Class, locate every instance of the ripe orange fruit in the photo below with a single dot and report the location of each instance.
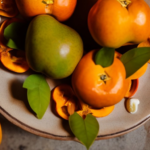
(60, 9)
(113, 23)
(97, 86)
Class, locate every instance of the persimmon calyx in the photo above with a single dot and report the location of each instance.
(124, 3)
(104, 77)
(48, 2)
(48, 6)
(86, 110)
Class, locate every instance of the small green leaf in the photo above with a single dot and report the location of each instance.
(38, 94)
(104, 57)
(15, 34)
(85, 130)
(134, 59)
(11, 44)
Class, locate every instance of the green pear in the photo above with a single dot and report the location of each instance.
(52, 48)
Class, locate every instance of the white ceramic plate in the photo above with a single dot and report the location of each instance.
(13, 105)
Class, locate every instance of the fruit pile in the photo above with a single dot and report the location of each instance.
(50, 37)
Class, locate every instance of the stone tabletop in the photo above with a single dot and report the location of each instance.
(15, 138)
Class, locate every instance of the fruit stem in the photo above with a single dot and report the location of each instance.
(86, 110)
(104, 77)
(47, 2)
(124, 3)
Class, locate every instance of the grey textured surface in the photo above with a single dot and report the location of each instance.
(15, 138)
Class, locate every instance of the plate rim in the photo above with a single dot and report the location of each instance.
(38, 132)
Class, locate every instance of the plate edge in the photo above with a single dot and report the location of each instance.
(32, 130)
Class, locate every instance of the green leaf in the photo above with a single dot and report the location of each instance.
(15, 34)
(104, 57)
(85, 130)
(38, 93)
(134, 59)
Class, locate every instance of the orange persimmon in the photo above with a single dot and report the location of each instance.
(97, 86)
(60, 9)
(8, 8)
(113, 23)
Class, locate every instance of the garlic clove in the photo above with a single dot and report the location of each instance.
(132, 105)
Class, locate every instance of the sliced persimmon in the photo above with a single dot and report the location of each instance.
(14, 60)
(133, 88)
(8, 8)
(66, 101)
(86, 109)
